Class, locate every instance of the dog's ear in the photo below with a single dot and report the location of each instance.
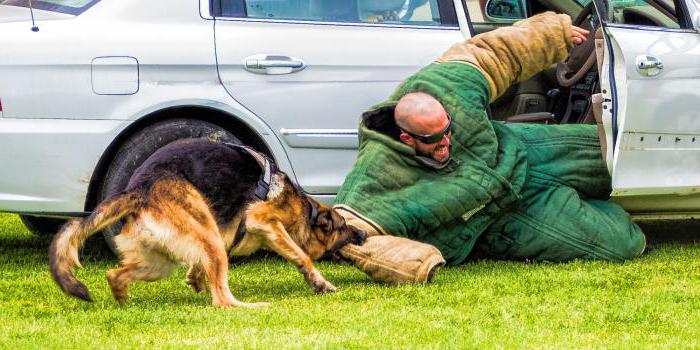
(325, 221)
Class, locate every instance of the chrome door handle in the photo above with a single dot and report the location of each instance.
(649, 66)
(270, 64)
(276, 64)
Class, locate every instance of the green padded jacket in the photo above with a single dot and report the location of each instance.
(450, 207)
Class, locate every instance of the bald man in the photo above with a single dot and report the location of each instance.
(424, 126)
(432, 166)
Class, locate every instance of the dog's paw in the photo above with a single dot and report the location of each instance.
(321, 287)
(197, 285)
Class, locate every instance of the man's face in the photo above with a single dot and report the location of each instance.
(429, 135)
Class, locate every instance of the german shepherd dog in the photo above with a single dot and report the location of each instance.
(193, 202)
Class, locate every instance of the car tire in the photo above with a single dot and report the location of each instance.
(142, 144)
(42, 226)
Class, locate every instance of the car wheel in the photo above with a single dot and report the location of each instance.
(137, 148)
(42, 226)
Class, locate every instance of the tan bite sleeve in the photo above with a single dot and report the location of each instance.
(512, 54)
(390, 259)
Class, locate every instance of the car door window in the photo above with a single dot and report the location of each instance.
(490, 14)
(654, 13)
(401, 12)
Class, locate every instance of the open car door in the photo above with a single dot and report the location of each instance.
(650, 81)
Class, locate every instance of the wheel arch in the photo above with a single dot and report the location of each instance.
(246, 133)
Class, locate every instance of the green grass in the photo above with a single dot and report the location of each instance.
(650, 302)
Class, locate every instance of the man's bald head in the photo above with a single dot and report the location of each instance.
(420, 113)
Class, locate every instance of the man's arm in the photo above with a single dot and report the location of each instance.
(513, 54)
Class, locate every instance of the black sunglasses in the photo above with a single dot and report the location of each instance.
(428, 139)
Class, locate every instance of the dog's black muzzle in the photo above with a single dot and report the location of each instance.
(356, 237)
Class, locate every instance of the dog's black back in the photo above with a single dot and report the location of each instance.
(225, 176)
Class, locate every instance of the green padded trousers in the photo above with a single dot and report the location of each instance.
(563, 213)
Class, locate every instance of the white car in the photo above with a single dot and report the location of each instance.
(90, 88)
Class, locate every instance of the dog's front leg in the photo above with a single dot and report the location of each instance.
(278, 240)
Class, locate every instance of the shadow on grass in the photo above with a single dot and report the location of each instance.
(94, 249)
(17, 243)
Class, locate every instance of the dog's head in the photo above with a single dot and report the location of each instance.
(329, 233)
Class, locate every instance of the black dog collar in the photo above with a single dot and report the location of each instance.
(262, 188)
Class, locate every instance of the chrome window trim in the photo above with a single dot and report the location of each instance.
(317, 132)
(649, 28)
(342, 24)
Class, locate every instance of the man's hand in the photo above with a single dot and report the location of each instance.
(578, 35)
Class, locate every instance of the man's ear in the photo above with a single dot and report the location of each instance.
(407, 139)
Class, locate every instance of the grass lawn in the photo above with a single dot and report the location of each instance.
(650, 302)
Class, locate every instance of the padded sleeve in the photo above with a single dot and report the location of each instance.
(512, 54)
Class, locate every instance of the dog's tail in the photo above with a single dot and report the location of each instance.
(63, 253)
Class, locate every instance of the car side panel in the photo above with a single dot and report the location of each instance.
(48, 163)
(55, 126)
(315, 111)
(50, 74)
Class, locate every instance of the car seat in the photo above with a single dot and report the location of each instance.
(380, 11)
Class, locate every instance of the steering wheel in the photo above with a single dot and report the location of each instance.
(582, 57)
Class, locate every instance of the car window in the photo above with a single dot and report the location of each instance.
(73, 7)
(657, 13)
(643, 12)
(505, 12)
(404, 12)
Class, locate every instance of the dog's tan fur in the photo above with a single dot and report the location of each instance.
(173, 224)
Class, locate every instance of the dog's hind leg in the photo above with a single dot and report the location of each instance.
(139, 264)
(141, 259)
(196, 278)
(187, 231)
(203, 248)
(215, 263)
(278, 240)
(152, 267)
